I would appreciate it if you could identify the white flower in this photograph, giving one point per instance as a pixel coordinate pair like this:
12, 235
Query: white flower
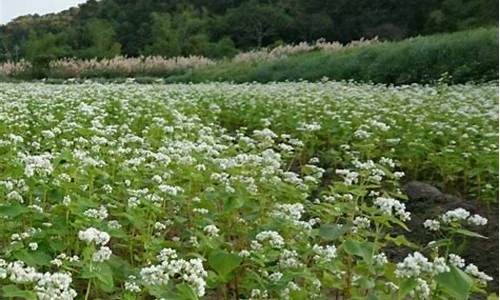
154, 275
481, 276
157, 179
160, 226
133, 202
172, 267
39, 164
66, 200
422, 289
432, 225
274, 238
439, 265
413, 265
92, 235
350, 177
114, 224
201, 211
455, 215
55, 286
33, 246
103, 254
14, 195
131, 285
477, 220
360, 223
289, 259
387, 205
244, 253
211, 230
276, 276
456, 260
327, 253
100, 214
380, 259
291, 212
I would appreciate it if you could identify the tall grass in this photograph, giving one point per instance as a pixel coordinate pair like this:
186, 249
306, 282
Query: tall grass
464, 56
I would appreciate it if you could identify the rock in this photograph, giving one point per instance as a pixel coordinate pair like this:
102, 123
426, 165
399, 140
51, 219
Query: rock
416, 190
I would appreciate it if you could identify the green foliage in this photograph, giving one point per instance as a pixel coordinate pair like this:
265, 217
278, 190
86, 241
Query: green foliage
165, 40
455, 283
132, 28
251, 191
464, 56
253, 22
224, 263
101, 38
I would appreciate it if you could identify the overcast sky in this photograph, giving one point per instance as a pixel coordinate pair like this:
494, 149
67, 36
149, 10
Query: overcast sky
9, 9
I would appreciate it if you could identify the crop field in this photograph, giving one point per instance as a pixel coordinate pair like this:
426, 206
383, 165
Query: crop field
245, 191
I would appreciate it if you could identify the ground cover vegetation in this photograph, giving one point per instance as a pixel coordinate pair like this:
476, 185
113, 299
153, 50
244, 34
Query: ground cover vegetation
250, 191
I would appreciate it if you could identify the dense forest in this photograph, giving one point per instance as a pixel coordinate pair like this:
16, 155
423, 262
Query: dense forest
219, 28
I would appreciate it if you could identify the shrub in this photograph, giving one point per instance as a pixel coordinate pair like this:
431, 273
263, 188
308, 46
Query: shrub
465, 56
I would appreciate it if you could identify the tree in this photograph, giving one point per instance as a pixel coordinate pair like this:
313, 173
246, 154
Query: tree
164, 37
45, 45
101, 37
252, 22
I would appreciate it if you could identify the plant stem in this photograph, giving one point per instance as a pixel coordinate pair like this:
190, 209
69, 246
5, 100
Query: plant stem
88, 289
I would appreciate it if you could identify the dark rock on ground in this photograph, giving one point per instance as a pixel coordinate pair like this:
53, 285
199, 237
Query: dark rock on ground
416, 190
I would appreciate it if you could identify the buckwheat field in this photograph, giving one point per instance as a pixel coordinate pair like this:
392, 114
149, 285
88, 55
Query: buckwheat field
251, 191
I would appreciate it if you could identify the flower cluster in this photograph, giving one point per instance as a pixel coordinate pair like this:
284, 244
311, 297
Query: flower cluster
171, 267
47, 286
278, 191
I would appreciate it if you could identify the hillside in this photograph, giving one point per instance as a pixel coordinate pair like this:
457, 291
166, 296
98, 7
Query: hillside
223, 28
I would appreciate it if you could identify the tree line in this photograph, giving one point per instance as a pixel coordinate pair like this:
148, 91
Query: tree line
221, 28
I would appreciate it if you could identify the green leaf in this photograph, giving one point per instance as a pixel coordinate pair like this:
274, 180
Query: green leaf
331, 232
401, 240
492, 297
185, 292
455, 283
104, 274
232, 203
361, 249
407, 286
470, 233
12, 291
33, 259
224, 263
13, 210
128, 296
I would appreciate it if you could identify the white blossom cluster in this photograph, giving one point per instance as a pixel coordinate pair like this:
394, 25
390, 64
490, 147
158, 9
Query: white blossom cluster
293, 213
388, 205
324, 253
415, 264
173, 268
37, 164
273, 237
92, 235
48, 286
455, 215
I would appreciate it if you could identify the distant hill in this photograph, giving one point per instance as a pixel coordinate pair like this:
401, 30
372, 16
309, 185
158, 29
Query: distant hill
219, 28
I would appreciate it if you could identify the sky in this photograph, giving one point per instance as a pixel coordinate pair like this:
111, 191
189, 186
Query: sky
10, 9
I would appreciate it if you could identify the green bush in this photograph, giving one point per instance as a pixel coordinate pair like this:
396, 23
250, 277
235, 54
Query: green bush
465, 56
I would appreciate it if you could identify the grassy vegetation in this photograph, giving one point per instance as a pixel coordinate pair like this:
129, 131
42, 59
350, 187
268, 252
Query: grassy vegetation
465, 56
252, 191
462, 56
